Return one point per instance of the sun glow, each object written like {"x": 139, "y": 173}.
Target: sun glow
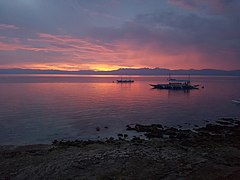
{"x": 108, "y": 67}
{"x": 69, "y": 67}
{"x": 61, "y": 67}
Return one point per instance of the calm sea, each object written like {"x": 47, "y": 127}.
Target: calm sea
{"x": 41, "y": 108}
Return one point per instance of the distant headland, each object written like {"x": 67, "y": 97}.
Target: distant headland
{"x": 129, "y": 71}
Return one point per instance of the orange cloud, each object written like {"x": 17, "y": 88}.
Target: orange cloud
{"x": 77, "y": 53}
{"x": 73, "y": 53}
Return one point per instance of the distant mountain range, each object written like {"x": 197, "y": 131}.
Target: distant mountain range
{"x": 129, "y": 71}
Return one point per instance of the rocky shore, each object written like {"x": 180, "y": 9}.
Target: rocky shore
{"x": 210, "y": 152}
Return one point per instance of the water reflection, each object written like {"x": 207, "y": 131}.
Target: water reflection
{"x": 72, "y": 107}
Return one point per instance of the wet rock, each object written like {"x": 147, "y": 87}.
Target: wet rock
{"x": 97, "y": 128}
{"x": 120, "y": 135}
{"x": 110, "y": 140}
{"x": 231, "y": 120}
{"x": 145, "y": 128}
{"x": 130, "y": 128}
{"x": 148, "y": 128}
{"x": 151, "y": 131}
{"x": 171, "y": 131}
{"x": 125, "y": 135}
{"x": 158, "y": 125}
{"x": 120, "y": 138}
{"x": 106, "y": 127}
{"x": 225, "y": 123}
{"x": 213, "y": 128}
{"x": 136, "y": 139}
{"x": 188, "y": 167}
{"x": 228, "y": 119}
{"x": 157, "y": 134}
{"x": 185, "y": 134}
{"x": 55, "y": 142}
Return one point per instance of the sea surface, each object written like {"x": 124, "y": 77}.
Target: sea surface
{"x": 41, "y": 108}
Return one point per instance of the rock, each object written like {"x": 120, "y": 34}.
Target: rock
{"x": 171, "y": 131}
{"x": 120, "y": 135}
{"x": 150, "y": 135}
{"x": 213, "y": 128}
{"x": 145, "y": 128}
{"x": 188, "y": 167}
{"x": 97, "y": 128}
{"x": 55, "y": 142}
{"x": 154, "y": 130}
{"x": 148, "y": 128}
{"x": 225, "y": 123}
{"x": 130, "y": 128}
{"x": 227, "y": 119}
{"x": 136, "y": 139}
{"x": 184, "y": 134}
{"x": 158, "y": 125}
{"x": 110, "y": 140}
{"x": 125, "y": 135}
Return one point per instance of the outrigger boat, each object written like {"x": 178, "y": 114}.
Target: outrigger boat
{"x": 125, "y": 81}
{"x": 176, "y": 84}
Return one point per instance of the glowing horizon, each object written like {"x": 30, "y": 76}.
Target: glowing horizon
{"x": 70, "y": 68}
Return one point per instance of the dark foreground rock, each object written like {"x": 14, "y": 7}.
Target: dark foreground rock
{"x": 211, "y": 152}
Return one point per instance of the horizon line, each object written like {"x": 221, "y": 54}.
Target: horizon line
{"x": 148, "y": 68}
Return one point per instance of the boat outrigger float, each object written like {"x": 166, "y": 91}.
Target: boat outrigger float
{"x": 176, "y": 84}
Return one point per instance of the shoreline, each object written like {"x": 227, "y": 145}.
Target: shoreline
{"x": 209, "y": 152}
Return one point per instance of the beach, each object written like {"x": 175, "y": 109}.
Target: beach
{"x": 210, "y": 152}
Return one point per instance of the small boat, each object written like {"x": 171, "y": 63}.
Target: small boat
{"x": 176, "y": 84}
{"x": 236, "y": 101}
{"x": 125, "y": 81}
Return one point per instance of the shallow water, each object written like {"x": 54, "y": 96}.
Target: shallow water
{"x": 40, "y": 108}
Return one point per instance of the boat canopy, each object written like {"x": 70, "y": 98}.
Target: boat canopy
{"x": 180, "y": 81}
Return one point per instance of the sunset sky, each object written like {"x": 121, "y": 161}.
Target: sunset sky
{"x": 112, "y": 34}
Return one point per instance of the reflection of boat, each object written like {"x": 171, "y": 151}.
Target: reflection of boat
{"x": 175, "y": 84}
{"x": 236, "y": 101}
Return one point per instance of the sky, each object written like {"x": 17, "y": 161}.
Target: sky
{"x": 112, "y": 34}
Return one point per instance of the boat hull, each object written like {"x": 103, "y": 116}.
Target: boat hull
{"x": 125, "y": 81}
{"x": 174, "y": 87}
